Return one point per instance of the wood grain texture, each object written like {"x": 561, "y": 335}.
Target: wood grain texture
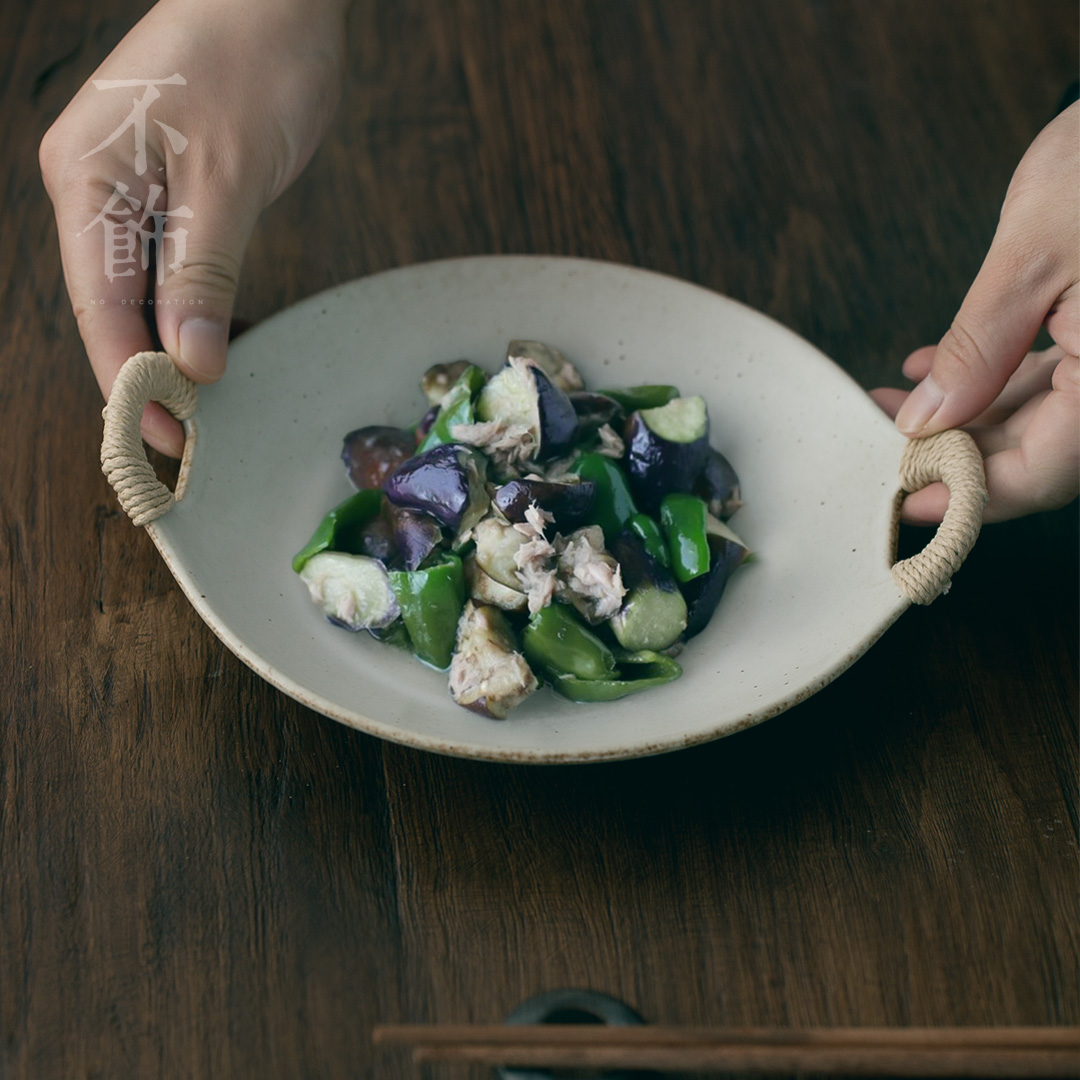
{"x": 200, "y": 878}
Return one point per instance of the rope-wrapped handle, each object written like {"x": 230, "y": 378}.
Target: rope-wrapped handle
{"x": 952, "y": 457}
{"x": 145, "y": 377}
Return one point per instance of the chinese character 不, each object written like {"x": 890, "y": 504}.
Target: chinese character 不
{"x": 137, "y": 117}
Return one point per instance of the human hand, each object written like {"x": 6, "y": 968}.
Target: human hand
{"x": 1022, "y": 407}
{"x": 259, "y": 83}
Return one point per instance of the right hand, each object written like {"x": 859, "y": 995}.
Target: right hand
{"x": 263, "y": 78}
{"x": 1023, "y": 408}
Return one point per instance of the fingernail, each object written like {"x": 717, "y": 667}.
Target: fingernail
{"x": 919, "y": 407}
{"x": 202, "y": 347}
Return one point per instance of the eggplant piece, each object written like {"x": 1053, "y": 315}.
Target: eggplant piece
{"x": 654, "y": 614}
{"x": 377, "y": 539}
{"x": 352, "y": 591}
{"x": 415, "y": 535}
{"x": 726, "y": 553}
{"x": 487, "y": 674}
{"x": 425, "y": 423}
{"x": 522, "y": 398}
{"x": 596, "y": 414}
{"x": 666, "y": 449}
{"x": 594, "y": 410}
{"x": 439, "y": 378}
{"x": 484, "y": 589}
{"x": 719, "y": 486}
{"x": 372, "y": 453}
{"x": 497, "y": 546}
{"x": 446, "y": 482}
{"x": 557, "y": 368}
{"x": 569, "y": 502}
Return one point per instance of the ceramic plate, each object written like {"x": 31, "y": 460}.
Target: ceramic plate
{"x": 817, "y": 460}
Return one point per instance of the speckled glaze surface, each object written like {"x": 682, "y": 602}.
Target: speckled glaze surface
{"x": 817, "y": 460}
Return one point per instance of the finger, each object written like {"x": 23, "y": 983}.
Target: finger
{"x": 926, "y": 506}
{"x": 917, "y": 366}
{"x": 1043, "y": 471}
{"x": 106, "y": 283}
{"x": 205, "y": 235}
{"x": 989, "y": 337}
{"x": 1033, "y": 377}
{"x": 888, "y": 400}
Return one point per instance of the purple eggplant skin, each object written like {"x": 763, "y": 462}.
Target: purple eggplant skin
{"x": 425, "y": 423}
{"x": 558, "y": 417}
{"x": 594, "y": 411}
{"x": 446, "y": 482}
{"x": 570, "y": 504}
{"x": 719, "y": 486}
{"x": 703, "y": 593}
{"x": 372, "y": 453}
{"x": 638, "y": 567}
{"x": 377, "y": 537}
{"x": 658, "y": 466}
{"x": 416, "y": 535}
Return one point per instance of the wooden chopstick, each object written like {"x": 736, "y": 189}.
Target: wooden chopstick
{"x": 984, "y": 1052}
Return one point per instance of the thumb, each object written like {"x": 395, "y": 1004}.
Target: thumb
{"x": 989, "y": 337}
{"x": 198, "y": 270}
{"x": 1030, "y": 266}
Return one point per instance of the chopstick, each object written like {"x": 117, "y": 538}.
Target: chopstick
{"x": 983, "y": 1052}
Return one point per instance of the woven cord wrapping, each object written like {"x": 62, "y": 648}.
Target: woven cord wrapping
{"x": 145, "y": 377}
{"x": 952, "y": 457}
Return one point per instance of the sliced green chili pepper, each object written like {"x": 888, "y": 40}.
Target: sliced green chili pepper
{"x": 613, "y": 504}
{"x": 642, "y": 397}
{"x": 456, "y": 408}
{"x": 340, "y": 529}
{"x": 559, "y": 643}
{"x": 648, "y": 532}
{"x": 684, "y": 519}
{"x": 647, "y": 669}
{"x": 431, "y": 601}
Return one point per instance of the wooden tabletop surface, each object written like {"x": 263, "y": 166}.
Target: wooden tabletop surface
{"x": 201, "y": 878}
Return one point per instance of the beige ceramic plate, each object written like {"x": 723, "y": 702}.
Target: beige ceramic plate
{"x": 818, "y": 464}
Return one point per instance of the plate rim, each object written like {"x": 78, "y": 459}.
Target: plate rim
{"x": 450, "y": 747}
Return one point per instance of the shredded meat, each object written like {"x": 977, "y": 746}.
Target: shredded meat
{"x": 610, "y": 443}
{"x": 587, "y": 576}
{"x": 508, "y": 445}
{"x": 535, "y": 559}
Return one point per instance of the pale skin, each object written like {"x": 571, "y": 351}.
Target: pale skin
{"x": 262, "y": 80}
{"x": 1022, "y": 407}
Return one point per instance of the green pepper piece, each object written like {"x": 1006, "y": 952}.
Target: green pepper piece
{"x": 340, "y": 529}
{"x": 642, "y": 397}
{"x": 559, "y": 643}
{"x": 456, "y": 408}
{"x": 654, "y": 669}
{"x": 684, "y": 520}
{"x": 431, "y": 600}
{"x": 613, "y": 504}
{"x": 648, "y": 532}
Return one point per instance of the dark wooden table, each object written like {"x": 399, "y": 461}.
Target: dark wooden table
{"x": 201, "y": 878}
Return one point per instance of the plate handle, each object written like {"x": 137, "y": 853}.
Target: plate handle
{"x": 145, "y": 377}
{"x": 953, "y": 457}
